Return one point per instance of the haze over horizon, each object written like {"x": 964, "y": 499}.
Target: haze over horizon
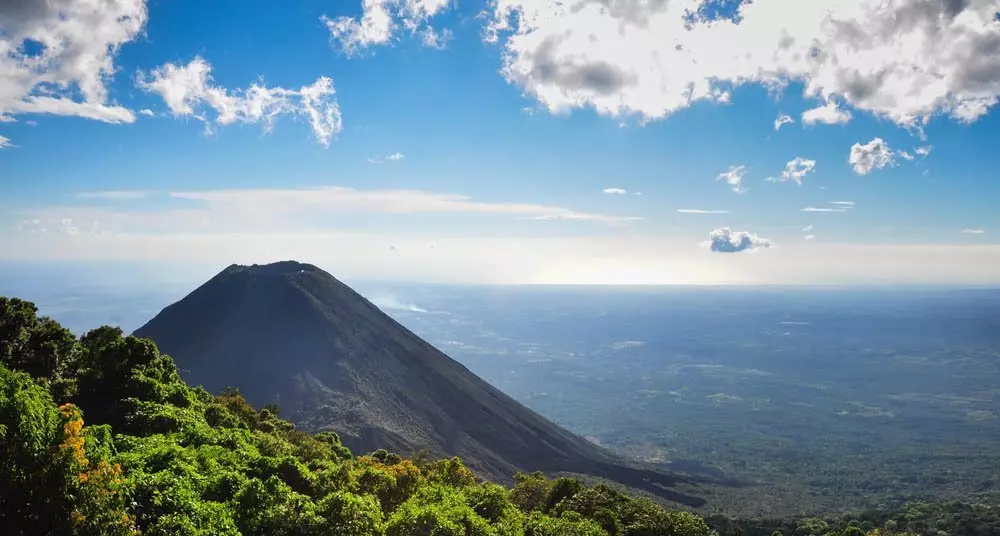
{"x": 512, "y": 141}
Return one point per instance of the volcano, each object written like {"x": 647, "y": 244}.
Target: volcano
{"x": 290, "y": 333}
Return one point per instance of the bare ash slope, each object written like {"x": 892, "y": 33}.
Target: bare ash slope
{"x": 293, "y": 334}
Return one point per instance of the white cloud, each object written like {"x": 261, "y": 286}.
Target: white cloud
{"x": 615, "y": 191}
{"x": 59, "y": 225}
{"x": 381, "y": 20}
{"x": 114, "y": 195}
{"x": 284, "y": 210}
{"x": 439, "y": 40}
{"x": 847, "y": 204}
{"x": 734, "y": 177}
{"x": 807, "y": 228}
{"x": 725, "y": 240}
{"x": 905, "y": 60}
{"x": 924, "y": 150}
{"x": 830, "y": 114}
{"x": 872, "y": 155}
{"x": 809, "y": 237}
{"x": 796, "y": 170}
{"x": 393, "y": 157}
{"x": 973, "y": 231}
{"x": 824, "y": 209}
{"x": 905, "y": 155}
{"x": 5, "y": 142}
{"x": 147, "y": 112}
{"x": 700, "y": 211}
{"x": 783, "y": 119}
{"x": 188, "y": 91}
{"x": 57, "y": 56}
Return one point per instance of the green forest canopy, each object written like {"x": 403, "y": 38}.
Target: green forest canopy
{"x": 99, "y": 435}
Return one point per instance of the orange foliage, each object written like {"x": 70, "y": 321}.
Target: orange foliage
{"x": 98, "y": 488}
{"x": 73, "y": 442}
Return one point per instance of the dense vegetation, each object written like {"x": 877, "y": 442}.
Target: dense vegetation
{"x": 99, "y": 435}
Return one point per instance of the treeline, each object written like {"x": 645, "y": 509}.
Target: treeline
{"x": 100, "y": 436}
{"x": 952, "y": 518}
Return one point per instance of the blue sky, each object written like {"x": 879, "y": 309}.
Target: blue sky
{"x": 507, "y": 142}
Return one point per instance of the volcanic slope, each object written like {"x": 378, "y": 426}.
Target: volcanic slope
{"x": 292, "y": 334}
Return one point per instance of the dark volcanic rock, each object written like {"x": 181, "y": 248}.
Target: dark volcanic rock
{"x": 291, "y": 333}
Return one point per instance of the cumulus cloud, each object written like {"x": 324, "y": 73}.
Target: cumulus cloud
{"x": 973, "y": 231}
{"x": 615, "y": 191}
{"x": 725, "y": 240}
{"x": 830, "y": 114}
{"x": 700, "y": 211}
{"x": 5, "y": 142}
{"x": 188, "y": 91}
{"x": 57, "y": 56}
{"x": 875, "y": 154}
{"x": 906, "y": 60}
{"x": 734, "y": 177}
{"x": 147, "y": 112}
{"x": 796, "y": 170}
{"x": 382, "y": 20}
{"x": 782, "y": 120}
{"x": 393, "y": 157}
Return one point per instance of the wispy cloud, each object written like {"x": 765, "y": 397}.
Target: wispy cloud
{"x": 734, "y": 177}
{"x": 809, "y": 237}
{"x": 62, "y": 226}
{"x": 394, "y": 157}
{"x": 782, "y": 120}
{"x": 924, "y": 150}
{"x": 824, "y": 209}
{"x": 5, "y": 142}
{"x": 847, "y": 204}
{"x": 725, "y": 240}
{"x": 294, "y": 210}
{"x": 700, "y": 211}
{"x": 615, "y": 191}
{"x": 147, "y": 112}
{"x": 973, "y": 231}
{"x": 807, "y": 228}
{"x": 114, "y": 195}
{"x": 435, "y": 39}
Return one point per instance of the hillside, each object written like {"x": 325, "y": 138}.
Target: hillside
{"x": 292, "y": 334}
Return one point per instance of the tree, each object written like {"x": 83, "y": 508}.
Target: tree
{"x": 32, "y": 478}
